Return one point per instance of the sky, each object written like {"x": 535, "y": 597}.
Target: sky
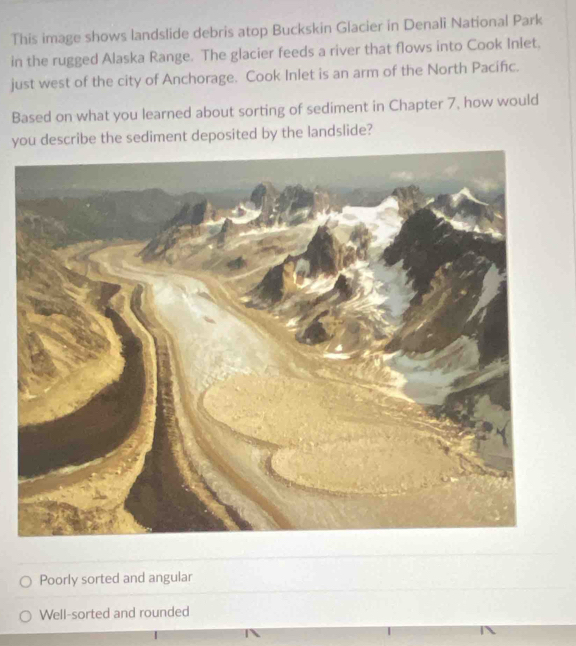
{"x": 482, "y": 172}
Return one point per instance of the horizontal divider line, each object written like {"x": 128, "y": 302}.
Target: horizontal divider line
{"x": 281, "y": 558}
{"x": 186, "y": 593}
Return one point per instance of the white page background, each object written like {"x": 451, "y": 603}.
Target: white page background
{"x": 523, "y": 574}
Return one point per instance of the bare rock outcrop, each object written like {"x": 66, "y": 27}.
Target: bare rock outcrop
{"x": 361, "y": 238}
{"x": 410, "y": 199}
{"x": 426, "y": 242}
{"x": 185, "y": 225}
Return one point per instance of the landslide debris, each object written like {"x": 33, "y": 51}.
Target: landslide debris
{"x": 408, "y": 286}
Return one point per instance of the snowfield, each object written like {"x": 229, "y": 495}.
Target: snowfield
{"x": 383, "y": 221}
{"x": 377, "y": 286}
{"x": 492, "y": 281}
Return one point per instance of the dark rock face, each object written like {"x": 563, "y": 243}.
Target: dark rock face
{"x": 491, "y": 329}
{"x": 343, "y": 286}
{"x": 193, "y": 215}
{"x": 228, "y": 230}
{"x": 324, "y": 253}
{"x": 237, "y": 263}
{"x": 283, "y": 208}
{"x": 188, "y": 219}
{"x": 294, "y": 198}
{"x": 448, "y": 268}
{"x": 264, "y": 192}
{"x": 410, "y": 199}
{"x": 277, "y": 282}
{"x": 444, "y": 313}
{"x": 315, "y": 333}
{"x": 264, "y": 197}
{"x": 426, "y": 242}
{"x": 350, "y": 256}
{"x": 361, "y": 237}
{"x": 440, "y": 316}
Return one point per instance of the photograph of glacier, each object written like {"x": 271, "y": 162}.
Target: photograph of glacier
{"x": 264, "y": 344}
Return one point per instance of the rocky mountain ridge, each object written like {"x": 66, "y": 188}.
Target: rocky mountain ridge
{"x": 131, "y": 215}
{"x": 465, "y": 211}
{"x": 61, "y": 323}
{"x": 266, "y": 208}
{"x": 454, "y": 322}
{"x": 325, "y": 255}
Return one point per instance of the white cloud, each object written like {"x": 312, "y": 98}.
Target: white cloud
{"x": 402, "y": 176}
{"x": 486, "y": 184}
{"x": 450, "y": 171}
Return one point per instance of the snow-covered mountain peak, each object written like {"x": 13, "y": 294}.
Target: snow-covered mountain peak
{"x": 390, "y": 202}
{"x": 465, "y": 193}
